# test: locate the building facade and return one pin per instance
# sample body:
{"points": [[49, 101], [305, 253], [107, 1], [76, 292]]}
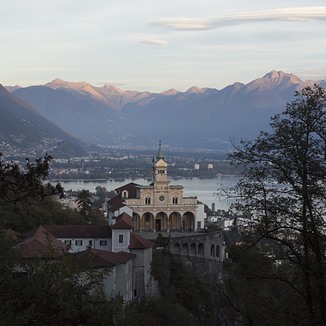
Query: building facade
{"points": [[116, 247], [160, 206]]}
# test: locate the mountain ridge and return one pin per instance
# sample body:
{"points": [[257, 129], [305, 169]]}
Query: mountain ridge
{"points": [[199, 117]]}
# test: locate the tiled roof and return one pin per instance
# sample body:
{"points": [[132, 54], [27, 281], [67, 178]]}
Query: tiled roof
{"points": [[130, 187], [138, 242], [124, 221], [115, 203], [80, 231], [101, 258], [41, 244]]}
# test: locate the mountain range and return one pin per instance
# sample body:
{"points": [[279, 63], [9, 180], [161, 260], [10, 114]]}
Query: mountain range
{"points": [[201, 118]]}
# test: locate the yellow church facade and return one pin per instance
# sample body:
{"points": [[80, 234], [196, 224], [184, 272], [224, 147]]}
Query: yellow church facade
{"points": [[162, 206]]}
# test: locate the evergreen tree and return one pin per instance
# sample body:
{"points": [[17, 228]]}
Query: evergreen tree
{"points": [[84, 201]]}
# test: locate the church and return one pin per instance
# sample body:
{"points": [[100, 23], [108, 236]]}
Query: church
{"points": [[159, 206]]}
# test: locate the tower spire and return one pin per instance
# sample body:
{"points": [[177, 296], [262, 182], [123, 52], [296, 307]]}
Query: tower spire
{"points": [[159, 154]]}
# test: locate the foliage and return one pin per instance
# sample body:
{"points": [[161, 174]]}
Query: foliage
{"points": [[26, 201], [260, 289], [29, 213], [283, 188], [17, 184], [100, 196], [57, 291], [178, 285], [213, 227], [84, 201], [157, 312], [159, 269]]}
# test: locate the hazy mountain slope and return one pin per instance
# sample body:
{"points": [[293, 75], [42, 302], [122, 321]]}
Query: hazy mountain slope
{"points": [[237, 111], [82, 116], [199, 117], [23, 129]]}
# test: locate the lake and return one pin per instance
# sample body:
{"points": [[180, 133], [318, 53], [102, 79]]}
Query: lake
{"points": [[204, 189]]}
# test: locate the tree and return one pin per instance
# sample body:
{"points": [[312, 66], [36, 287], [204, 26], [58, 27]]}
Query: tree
{"points": [[284, 189], [53, 291], [84, 201], [17, 184]]}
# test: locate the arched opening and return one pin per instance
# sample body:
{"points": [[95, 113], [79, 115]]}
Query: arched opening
{"points": [[147, 222], [176, 249], [136, 220], [201, 250], [218, 253], [185, 249], [174, 221], [212, 251], [188, 222], [161, 222], [193, 249]]}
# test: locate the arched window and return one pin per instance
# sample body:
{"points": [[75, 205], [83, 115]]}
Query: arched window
{"points": [[147, 201], [201, 250], [185, 249], [213, 251], [193, 249], [218, 253], [177, 249], [175, 200], [125, 194]]}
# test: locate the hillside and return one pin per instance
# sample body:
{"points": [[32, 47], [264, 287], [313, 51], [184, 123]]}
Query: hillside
{"points": [[24, 131], [198, 118]]}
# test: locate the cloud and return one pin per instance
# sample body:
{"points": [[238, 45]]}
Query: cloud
{"points": [[154, 42], [301, 14]]}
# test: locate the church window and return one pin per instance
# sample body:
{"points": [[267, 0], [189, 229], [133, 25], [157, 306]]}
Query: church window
{"points": [[125, 194], [175, 200], [147, 201]]}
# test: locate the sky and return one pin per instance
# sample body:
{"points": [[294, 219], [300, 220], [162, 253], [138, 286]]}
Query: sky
{"points": [[158, 45]]}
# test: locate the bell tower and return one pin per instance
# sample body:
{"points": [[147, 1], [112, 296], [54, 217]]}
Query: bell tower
{"points": [[160, 167]]}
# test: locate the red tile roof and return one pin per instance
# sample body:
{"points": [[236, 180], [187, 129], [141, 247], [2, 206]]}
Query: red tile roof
{"points": [[138, 242], [124, 221], [115, 203], [80, 231], [101, 258], [131, 187], [41, 244]]}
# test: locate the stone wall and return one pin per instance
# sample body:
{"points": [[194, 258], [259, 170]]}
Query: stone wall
{"points": [[202, 253]]}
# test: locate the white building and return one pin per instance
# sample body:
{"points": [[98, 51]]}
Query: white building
{"points": [[127, 254]]}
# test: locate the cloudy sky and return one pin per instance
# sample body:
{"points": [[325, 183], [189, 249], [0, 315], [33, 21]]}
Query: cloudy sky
{"points": [[157, 45]]}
